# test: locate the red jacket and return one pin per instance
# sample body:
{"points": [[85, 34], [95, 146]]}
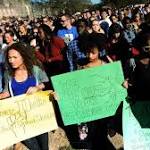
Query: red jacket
{"points": [[56, 45]]}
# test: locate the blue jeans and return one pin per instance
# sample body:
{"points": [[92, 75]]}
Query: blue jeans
{"points": [[37, 143]]}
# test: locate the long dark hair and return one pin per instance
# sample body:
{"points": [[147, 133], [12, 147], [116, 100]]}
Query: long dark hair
{"points": [[48, 37], [26, 53], [47, 31], [115, 28]]}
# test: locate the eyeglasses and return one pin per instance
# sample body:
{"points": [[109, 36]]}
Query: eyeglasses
{"points": [[63, 20], [45, 21], [95, 24], [146, 48]]}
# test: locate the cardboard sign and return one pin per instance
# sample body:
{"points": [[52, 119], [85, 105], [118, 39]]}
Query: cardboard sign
{"points": [[25, 116]]}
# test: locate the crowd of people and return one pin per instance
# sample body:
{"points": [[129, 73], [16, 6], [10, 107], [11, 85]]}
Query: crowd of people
{"points": [[31, 51]]}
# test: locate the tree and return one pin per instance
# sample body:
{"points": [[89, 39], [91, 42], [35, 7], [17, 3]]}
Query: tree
{"points": [[51, 6], [70, 5]]}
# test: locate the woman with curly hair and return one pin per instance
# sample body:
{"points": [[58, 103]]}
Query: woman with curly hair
{"points": [[24, 76]]}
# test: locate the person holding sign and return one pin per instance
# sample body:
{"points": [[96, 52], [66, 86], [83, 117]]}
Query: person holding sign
{"points": [[94, 132], [23, 76], [138, 76], [94, 56], [136, 122]]}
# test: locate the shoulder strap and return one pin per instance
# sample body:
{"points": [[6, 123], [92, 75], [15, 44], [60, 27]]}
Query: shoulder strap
{"points": [[10, 88], [35, 71]]}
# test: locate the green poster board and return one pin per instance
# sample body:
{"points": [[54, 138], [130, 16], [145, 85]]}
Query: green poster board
{"points": [[90, 94], [136, 125]]}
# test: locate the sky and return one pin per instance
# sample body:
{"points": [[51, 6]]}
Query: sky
{"points": [[95, 1]]}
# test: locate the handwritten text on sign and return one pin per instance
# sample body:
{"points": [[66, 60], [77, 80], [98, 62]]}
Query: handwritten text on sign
{"points": [[90, 94], [25, 116]]}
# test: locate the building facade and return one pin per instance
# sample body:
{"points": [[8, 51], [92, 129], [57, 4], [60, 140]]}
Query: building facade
{"points": [[16, 8]]}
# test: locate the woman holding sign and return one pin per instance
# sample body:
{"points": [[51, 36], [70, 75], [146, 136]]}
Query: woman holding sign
{"points": [[24, 76], [97, 130], [138, 75], [94, 56]]}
